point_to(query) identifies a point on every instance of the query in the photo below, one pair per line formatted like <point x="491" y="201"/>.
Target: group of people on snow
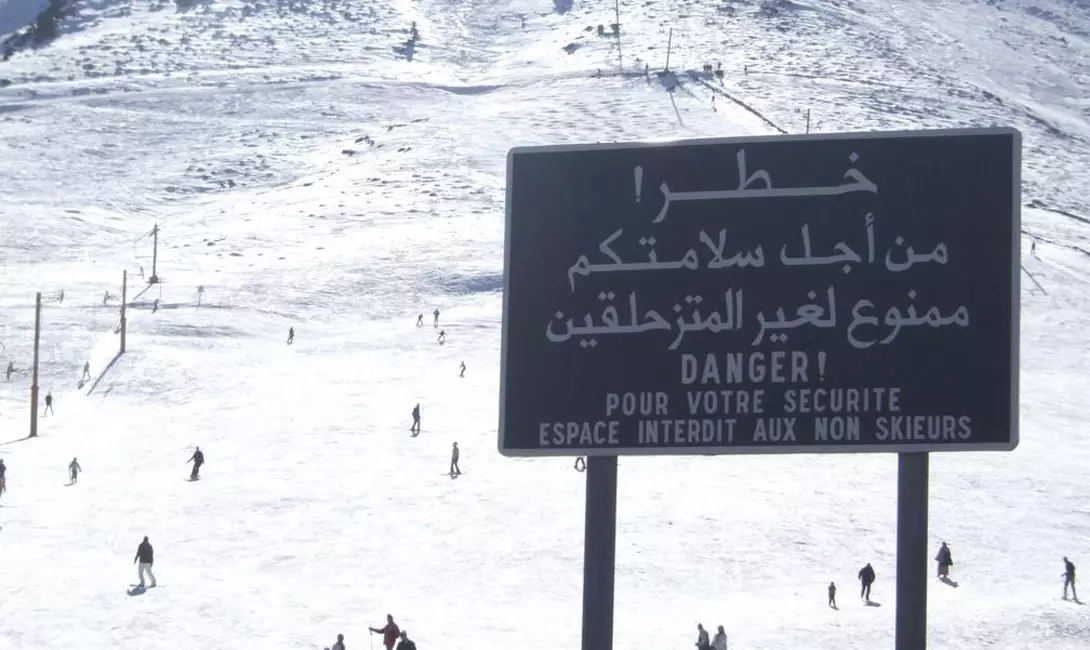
<point x="717" y="643"/>
<point x="391" y="635"/>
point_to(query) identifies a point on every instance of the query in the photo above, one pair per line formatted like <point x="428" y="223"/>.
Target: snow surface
<point x="239" y="127"/>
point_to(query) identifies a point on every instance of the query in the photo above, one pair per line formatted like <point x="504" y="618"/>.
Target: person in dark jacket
<point x="832" y="595"/>
<point x="197" y="459"/>
<point x="73" y="470"/>
<point x="339" y="645"/>
<point x="1069" y="579"/>
<point x="945" y="560"/>
<point x="415" y="428"/>
<point x="389" y="632"/>
<point x="48" y="403"/>
<point x="405" y="643"/>
<point x="145" y="555"/>
<point x="454" y="454"/>
<point x="866" y="578"/>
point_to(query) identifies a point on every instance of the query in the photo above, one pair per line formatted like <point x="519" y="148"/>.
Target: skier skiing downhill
<point x="197" y="459"/>
<point x="389" y="632"/>
<point x="73" y="470"/>
<point x="291" y="335"/>
<point x="146" y="556"/>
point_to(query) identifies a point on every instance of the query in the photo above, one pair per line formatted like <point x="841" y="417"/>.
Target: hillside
<point x="312" y="165"/>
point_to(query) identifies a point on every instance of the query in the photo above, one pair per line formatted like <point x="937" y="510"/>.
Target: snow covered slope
<point x="310" y="165"/>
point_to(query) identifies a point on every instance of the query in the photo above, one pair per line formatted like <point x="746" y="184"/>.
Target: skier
<point x="463" y="372"/>
<point x="420" y="320"/>
<point x="832" y="595"/>
<point x="146" y="556"/>
<point x="73" y="470"/>
<point x="86" y="371"/>
<point x="11" y="369"/>
<point x="1068" y="574"/>
<point x="702" y="642"/>
<point x="389" y="632"/>
<point x="866" y="577"/>
<point x="197" y="459"/>
<point x="339" y="645"/>
<point x="48" y="403"/>
<point x="3" y="480"/>
<point x="1033" y="248"/>
<point x="405" y="643"/>
<point x="720" y="640"/>
<point x="442" y="337"/>
<point x="105" y="297"/>
<point x="291" y="335"/>
<point x="415" y="428"/>
<point x="436" y="315"/>
<point x="454" y="469"/>
<point x="945" y="561"/>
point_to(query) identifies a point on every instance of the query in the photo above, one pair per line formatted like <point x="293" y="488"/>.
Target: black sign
<point x="851" y="292"/>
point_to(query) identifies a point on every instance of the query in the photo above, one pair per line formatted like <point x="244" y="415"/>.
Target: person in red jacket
<point x="389" y="633"/>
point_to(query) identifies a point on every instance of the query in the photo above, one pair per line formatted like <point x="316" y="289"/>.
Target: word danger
<point x="779" y="367"/>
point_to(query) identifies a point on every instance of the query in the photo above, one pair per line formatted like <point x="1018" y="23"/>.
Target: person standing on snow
<point x="3" y="480"/>
<point x="339" y="645"/>
<point x="463" y="372"/>
<point x="197" y="459"/>
<point x="389" y="632"/>
<point x="1068" y="576"/>
<point x="415" y="428"/>
<point x="420" y="320"/>
<point x="719" y="642"/>
<point x="866" y="578"/>
<point x="146" y="556"/>
<point x="73" y="470"/>
<point x="832" y="595"/>
<point x="291" y="335"/>
<point x="436" y="315"/>
<point x="944" y="560"/>
<point x="48" y="403"/>
<point x="702" y="642"/>
<point x="454" y="453"/>
<point x="405" y="643"/>
<point x="86" y="371"/>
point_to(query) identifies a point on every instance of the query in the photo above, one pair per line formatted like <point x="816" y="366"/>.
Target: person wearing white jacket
<point x="720" y="640"/>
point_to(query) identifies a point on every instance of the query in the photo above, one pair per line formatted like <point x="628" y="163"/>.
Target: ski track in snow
<point x="306" y="173"/>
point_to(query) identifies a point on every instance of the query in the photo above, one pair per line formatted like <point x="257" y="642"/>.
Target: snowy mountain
<point x="313" y="164"/>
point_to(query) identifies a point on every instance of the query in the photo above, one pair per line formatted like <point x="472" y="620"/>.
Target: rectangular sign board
<point x="853" y="292"/>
